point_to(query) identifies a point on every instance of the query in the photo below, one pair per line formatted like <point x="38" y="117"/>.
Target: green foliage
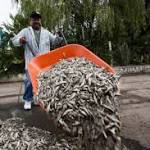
<point x="93" y="23"/>
<point x="11" y="58"/>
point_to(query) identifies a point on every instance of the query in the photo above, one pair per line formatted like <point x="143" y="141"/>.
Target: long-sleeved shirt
<point x="46" y="39"/>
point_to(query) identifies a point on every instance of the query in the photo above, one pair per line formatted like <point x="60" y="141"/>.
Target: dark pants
<point x="28" y="92"/>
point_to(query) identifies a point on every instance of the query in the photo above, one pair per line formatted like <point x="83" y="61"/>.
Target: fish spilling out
<point x="16" y="135"/>
<point x="82" y="98"/>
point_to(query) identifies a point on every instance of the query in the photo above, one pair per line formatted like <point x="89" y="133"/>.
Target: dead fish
<point x="30" y="138"/>
<point x="82" y="96"/>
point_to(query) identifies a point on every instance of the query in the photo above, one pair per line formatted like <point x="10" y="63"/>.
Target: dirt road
<point x="134" y="110"/>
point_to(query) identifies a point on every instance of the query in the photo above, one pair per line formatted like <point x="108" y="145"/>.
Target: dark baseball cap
<point x="35" y="15"/>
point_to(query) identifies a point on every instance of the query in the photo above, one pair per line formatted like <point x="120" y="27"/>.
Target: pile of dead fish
<point x="82" y="98"/>
<point x="15" y="135"/>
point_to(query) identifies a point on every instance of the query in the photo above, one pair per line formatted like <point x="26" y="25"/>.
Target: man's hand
<point x="58" y="34"/>
<point x="23" y="41"/>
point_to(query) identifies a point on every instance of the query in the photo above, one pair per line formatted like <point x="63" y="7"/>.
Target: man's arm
<point x="19" y="39"/>
<point x="55" y="40"/>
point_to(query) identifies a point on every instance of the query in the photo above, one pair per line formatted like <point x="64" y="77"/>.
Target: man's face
<point x="35" y="23"/>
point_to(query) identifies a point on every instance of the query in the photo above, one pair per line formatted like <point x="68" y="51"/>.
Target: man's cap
<point x="35" y="15"/>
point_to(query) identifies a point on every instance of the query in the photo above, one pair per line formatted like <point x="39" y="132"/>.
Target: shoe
<point x="27" y="105"/>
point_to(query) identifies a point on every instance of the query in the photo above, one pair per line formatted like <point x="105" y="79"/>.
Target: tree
<point x="93" y="23"/>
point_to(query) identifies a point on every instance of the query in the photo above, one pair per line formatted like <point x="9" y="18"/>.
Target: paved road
<point x="134" y="109"/>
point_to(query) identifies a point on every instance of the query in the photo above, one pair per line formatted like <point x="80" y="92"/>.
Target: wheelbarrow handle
<point x="31" y="50"/>
<point x="62" y="34"/>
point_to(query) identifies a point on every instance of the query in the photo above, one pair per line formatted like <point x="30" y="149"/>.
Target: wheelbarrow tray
<point x="46" y="61"/>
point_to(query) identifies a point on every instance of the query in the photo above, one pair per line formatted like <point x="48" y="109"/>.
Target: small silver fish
<point x="82" y="98"/>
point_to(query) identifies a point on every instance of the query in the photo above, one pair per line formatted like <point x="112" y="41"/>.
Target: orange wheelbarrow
<point x="46" y="61"/>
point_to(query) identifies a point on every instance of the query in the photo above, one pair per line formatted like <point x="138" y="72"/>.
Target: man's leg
<point x="28" y="93"/>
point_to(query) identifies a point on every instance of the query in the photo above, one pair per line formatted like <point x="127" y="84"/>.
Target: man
<point x="36" y="40"/>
